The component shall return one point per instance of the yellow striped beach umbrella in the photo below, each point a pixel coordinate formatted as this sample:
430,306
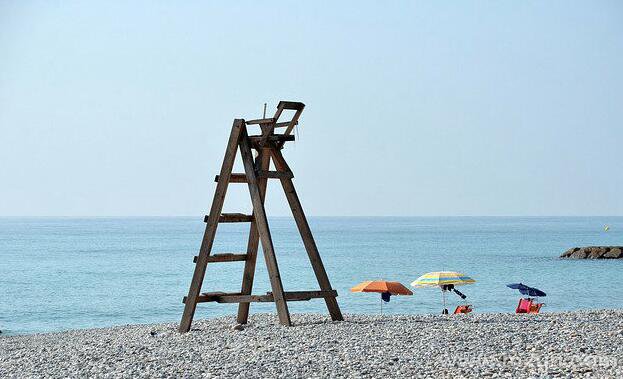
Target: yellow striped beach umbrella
441,278
446,280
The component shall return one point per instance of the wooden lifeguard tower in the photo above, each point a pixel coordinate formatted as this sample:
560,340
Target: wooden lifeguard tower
268,146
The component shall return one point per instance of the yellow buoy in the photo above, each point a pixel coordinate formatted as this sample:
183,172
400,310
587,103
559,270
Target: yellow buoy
606,228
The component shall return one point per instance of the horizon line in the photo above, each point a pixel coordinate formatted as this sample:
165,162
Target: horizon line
319,216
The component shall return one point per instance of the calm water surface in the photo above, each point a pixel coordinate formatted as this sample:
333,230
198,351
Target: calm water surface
66,273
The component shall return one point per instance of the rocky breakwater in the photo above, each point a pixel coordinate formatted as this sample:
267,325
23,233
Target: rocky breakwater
594,252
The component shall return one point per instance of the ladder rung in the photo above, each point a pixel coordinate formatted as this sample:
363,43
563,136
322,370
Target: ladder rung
308,295
208,296
275,174
236,297
295,105
261,121
242,178
273,138
268,121
234,178
284,124
224,257
232,217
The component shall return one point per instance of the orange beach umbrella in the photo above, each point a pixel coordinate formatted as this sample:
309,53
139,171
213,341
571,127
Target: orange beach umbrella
385,288
382,286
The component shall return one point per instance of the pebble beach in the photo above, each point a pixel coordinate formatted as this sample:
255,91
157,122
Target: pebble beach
571,344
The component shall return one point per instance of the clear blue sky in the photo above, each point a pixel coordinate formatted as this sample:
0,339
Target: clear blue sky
413,108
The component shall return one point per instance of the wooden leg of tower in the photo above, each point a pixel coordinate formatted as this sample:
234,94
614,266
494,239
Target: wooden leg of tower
306,234
263,162
212,223
263,230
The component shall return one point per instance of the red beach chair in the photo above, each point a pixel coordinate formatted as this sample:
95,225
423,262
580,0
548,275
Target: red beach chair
463,309
524,306
535,308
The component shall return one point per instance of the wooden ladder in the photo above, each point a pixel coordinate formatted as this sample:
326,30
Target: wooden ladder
268,146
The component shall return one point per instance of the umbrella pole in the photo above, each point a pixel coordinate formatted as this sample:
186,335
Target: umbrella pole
381,306
443,295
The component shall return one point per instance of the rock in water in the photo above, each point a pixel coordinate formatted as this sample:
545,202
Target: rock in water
614,253
594,252
579,254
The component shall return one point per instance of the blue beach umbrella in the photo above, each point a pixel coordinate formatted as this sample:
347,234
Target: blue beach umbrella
527,290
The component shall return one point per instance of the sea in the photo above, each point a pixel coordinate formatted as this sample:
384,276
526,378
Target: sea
68,273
